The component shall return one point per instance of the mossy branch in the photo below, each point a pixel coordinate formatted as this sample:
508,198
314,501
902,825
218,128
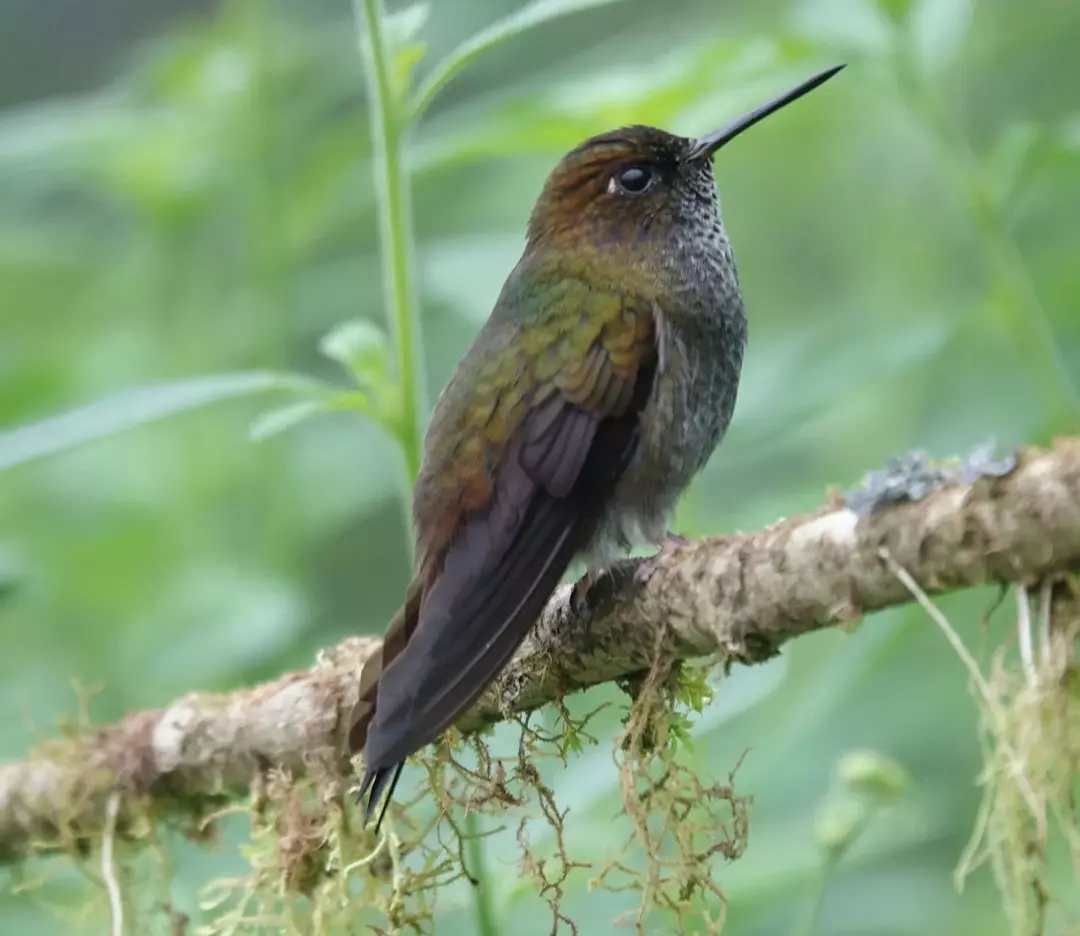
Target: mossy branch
740,597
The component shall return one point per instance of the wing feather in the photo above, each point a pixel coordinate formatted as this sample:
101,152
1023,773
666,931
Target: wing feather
491,582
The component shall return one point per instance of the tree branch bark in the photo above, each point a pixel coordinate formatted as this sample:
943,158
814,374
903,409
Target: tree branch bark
740,597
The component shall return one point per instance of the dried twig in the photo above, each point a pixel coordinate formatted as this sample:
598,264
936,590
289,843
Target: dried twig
108,870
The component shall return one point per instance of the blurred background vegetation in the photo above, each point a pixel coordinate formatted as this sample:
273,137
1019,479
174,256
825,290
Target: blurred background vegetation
186,209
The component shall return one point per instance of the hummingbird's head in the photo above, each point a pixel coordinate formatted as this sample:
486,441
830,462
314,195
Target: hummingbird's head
638,187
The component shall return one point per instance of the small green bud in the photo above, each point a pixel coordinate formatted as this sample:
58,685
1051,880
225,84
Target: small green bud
874,774
841,822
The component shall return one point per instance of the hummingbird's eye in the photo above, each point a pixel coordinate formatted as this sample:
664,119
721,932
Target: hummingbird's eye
632,179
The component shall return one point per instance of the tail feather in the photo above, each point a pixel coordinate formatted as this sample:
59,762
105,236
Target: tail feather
382,779
375,782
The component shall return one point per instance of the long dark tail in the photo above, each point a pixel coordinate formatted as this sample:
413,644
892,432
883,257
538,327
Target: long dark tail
398,634
375,782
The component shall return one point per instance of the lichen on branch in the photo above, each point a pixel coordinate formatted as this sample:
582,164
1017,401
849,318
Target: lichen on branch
737,597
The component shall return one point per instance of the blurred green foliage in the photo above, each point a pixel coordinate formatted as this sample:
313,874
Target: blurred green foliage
190,234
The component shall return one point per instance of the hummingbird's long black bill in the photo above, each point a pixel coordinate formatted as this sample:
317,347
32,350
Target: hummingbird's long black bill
708,145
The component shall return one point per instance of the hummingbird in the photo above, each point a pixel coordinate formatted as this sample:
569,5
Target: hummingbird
600,385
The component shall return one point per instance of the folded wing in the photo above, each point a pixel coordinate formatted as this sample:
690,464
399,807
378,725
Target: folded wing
548,491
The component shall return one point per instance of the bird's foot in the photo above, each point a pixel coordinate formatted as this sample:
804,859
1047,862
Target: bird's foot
579,594
646,568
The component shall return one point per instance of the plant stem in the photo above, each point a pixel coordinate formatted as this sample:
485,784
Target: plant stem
809,923
396,248
395,236
485,913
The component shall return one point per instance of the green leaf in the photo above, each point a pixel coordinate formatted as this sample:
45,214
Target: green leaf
131,408
939,28
532,14
1010,159
691,87
402,26
406,58
854,25
256,616
11,572
401,29
896,10
1068,133
284,417
361,347
168,167
468,272
831,369
43,133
